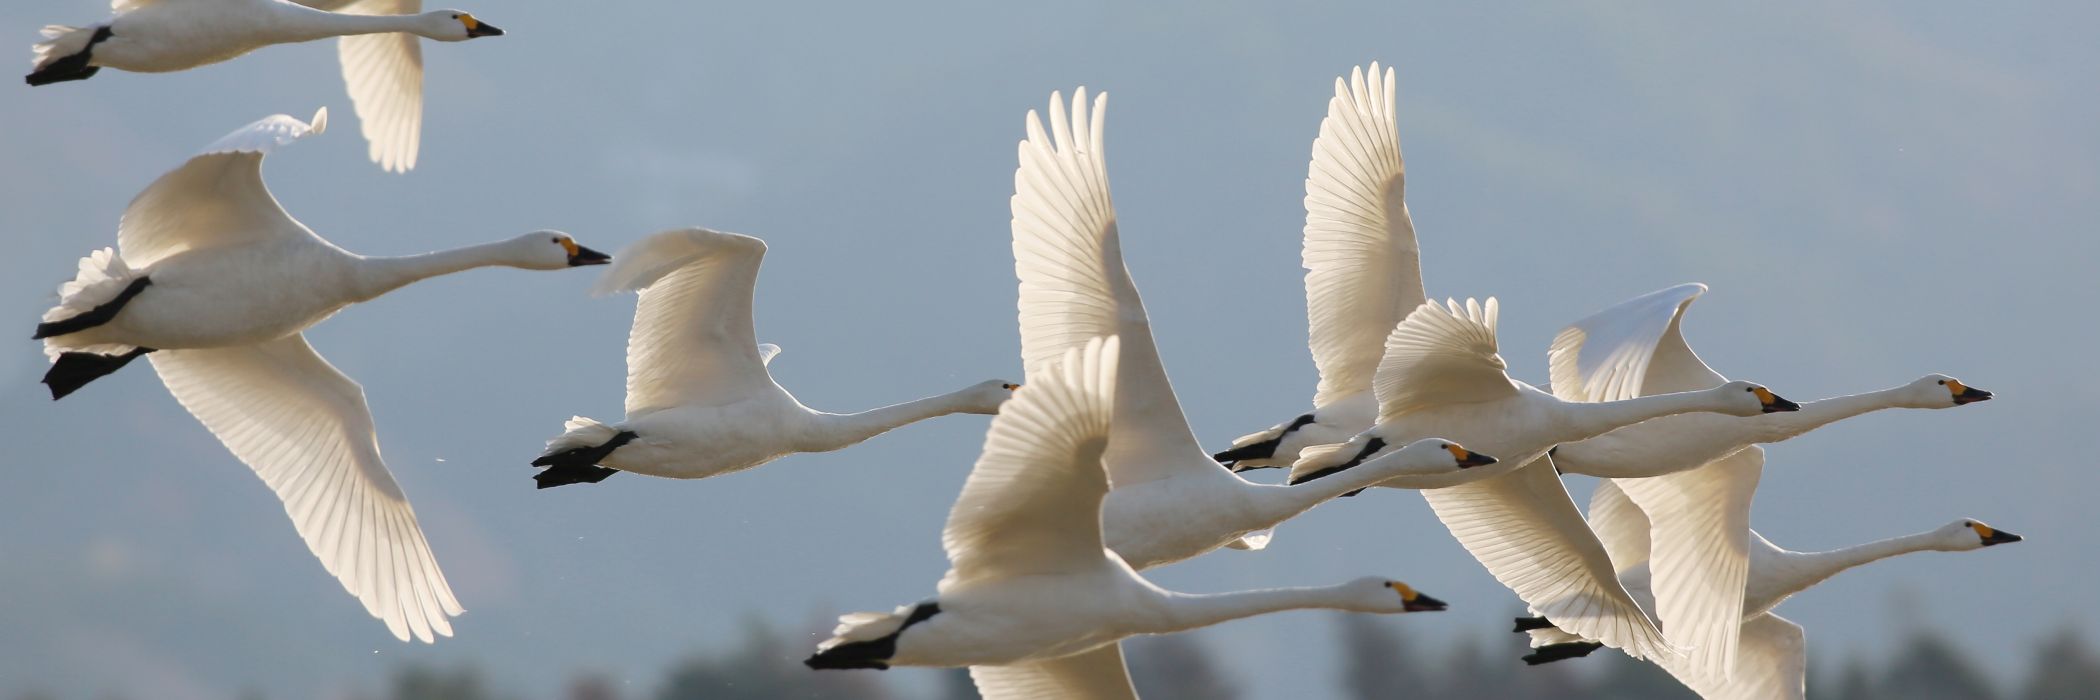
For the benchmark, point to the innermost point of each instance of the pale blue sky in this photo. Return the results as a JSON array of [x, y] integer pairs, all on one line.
[[1873, 190]]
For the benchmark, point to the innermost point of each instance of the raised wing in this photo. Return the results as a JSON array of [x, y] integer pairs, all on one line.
[[692, 340], [1620, 526], [1032, 505], [1700, 562], [1630, 350], [304, 428], [1092, 675], [384, 73], [215, 199], [1527, 532], [1774, 664], [1363, 270], [1074, 287], [1440, 356]]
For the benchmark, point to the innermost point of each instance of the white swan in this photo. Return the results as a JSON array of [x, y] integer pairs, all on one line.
[[381, 55], [1363, 269], [1773, 658], [1033, 603], [216, 282], [699, 399], [1701, 513], [1170, 501], [1442, 376]]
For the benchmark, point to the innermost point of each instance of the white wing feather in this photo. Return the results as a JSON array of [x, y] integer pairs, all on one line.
[[1090, 675], [1633, 349], [304, 428], [384, 73], [1440, 356], [1773, 664], [1700, 557], [1620, 526], [1363, 270], [1032, 505], [1526, 530], [217, 198], [692, 340], [1074, 287]]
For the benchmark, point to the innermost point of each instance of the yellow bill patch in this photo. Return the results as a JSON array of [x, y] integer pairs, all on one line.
[[1458, 452], [1954, 386], [473, 24], [569, 244], [1982, 530], [1764, 396], [1407, 594]]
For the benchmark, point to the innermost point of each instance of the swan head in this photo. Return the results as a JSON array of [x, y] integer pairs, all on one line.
[[1384, 595], [986, 397], [454, 25], [1751, 399], [1969, 533], [1437, 456], [1940, 391], [551, 250]]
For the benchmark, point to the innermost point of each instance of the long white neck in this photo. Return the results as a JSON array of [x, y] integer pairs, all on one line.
[[311, 24], [1804, 569], [1190, 611], [1774, 427], [1582, 421], [376, 276], [839, 430]]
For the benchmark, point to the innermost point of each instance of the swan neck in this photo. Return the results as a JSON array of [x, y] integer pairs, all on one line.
[[1774, 427], [379, 275], [1190, 611], [1588, 420], [1816, 567], [843, 429], [317, 24]]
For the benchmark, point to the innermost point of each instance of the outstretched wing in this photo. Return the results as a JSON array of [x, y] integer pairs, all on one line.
[[1633, 349], [1091, 675], [384, 73], [215, 199], [1774, 664], [1620, 526], [1074, 287], [1363, 270], [1440, 356], [1700, 561], [1526, 530], [692, 340], [304, 428], [1032, 505]]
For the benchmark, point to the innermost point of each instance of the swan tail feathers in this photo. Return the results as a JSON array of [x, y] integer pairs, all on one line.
[[64, 54], [868, 639], [92, 298], [573, 456]]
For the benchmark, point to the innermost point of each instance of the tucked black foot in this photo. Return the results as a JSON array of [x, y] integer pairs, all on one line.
[[74, 67], [92, 317], [1260, 450], [1558, 652], [1527, 624], [75, 369], [579, 465], [572, 474], [1373, 445], [872, 653]]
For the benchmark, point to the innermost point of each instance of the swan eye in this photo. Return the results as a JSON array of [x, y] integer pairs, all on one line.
[[1943, 382]]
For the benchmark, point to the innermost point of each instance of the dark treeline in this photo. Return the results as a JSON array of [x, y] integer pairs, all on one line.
[[1378, 658]]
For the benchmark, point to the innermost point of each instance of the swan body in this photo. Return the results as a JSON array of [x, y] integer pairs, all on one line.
[[1170, 500], [1772, 660], [381, 54], [215, 282], [1442, 375], [1363, 268], [1034, 603], [1692, 472], [699, 399]]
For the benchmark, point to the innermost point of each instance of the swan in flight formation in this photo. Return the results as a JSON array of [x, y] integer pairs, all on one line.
[[1773, 656], [699, 399], [1691, 472], [1363, 269], [1442, 376], [1033, 602], [381, 50], [215, 282], [1168, 500]]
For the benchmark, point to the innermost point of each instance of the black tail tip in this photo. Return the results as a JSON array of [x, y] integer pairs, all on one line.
[[55, 74], [1560, 652], [832, 660], [1527, 624]]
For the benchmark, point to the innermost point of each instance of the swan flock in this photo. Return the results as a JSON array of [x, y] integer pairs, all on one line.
[[1090, 472]]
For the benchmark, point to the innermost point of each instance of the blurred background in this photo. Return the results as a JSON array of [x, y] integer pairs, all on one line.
[[1874, 191]]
